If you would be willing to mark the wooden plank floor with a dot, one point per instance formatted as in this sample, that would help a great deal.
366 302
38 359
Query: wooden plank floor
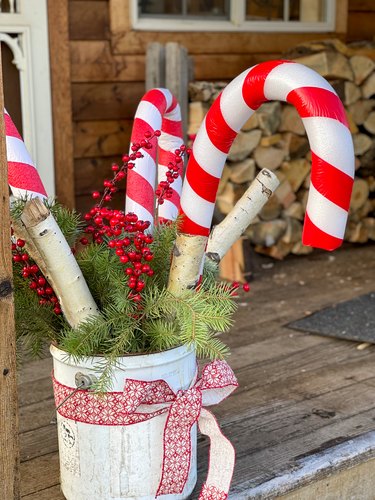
298 393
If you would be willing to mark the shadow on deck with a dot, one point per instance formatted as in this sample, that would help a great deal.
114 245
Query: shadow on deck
305 408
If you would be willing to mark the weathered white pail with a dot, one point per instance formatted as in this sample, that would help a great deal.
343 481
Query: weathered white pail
114 462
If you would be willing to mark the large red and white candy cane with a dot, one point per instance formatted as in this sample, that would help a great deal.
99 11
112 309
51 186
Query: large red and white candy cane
158 110
323 116
23 177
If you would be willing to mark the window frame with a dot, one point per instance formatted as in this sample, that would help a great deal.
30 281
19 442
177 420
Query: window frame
236 22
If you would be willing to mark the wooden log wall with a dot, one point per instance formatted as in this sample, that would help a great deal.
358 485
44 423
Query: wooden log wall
361 20
107 65
106 89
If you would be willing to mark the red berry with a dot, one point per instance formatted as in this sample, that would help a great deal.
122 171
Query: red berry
96 195
57 310
246 287
20 243
84 241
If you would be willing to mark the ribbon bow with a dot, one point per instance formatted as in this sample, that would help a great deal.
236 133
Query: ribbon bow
185 409
143 400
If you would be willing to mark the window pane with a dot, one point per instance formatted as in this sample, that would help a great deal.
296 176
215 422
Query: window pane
264 10
299 10
212 8
312 11
160 7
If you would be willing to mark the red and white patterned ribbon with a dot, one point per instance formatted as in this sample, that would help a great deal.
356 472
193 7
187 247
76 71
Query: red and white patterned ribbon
23 177
323 116
143 400
158 110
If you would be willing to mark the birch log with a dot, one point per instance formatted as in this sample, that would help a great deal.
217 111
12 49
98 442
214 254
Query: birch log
186 264
248 206
64 274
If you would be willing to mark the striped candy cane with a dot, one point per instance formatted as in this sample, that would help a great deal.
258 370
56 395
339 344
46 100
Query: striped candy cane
158 110
23 177
323 116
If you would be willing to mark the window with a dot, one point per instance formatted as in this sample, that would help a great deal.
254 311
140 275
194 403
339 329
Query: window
234 15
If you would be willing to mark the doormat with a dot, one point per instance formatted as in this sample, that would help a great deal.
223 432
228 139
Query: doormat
350 320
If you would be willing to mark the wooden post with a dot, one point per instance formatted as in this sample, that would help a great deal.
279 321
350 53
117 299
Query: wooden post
9 454
177 69
155 66
58 23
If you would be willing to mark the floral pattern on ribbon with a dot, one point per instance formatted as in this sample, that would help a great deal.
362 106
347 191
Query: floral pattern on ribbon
212 493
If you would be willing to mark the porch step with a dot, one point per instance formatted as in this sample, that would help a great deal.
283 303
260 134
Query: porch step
345 471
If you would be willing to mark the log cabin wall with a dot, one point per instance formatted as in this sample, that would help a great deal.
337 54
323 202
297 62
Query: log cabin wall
361 20
107 67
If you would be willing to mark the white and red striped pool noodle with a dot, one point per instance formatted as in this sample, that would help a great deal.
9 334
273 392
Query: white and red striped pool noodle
23 177
324 118
158 110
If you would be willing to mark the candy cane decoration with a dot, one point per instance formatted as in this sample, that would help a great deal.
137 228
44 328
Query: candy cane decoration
158 110
23 177
332 170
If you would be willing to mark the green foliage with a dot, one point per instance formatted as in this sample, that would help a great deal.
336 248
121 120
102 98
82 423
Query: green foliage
162 246
158 322
35 324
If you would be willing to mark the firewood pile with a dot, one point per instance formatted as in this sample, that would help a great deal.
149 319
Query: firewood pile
275 138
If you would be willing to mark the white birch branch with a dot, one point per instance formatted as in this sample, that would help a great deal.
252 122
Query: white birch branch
62 270
186 264
248 206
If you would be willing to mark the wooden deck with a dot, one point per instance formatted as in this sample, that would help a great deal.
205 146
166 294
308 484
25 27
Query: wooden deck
305 409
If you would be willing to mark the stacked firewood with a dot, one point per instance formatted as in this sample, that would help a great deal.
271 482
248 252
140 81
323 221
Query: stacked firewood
275 138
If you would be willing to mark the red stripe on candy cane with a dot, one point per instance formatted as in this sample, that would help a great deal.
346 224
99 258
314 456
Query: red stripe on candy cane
206 188
324 118
10 128
253 87
313 101
331 182
158 110
23 177
219 132
22 180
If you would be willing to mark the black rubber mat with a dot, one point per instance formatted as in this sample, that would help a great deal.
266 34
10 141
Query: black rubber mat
350 320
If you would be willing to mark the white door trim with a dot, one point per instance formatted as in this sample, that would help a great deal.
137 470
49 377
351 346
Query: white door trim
31 51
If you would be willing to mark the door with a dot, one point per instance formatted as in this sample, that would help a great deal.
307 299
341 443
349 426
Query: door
27 88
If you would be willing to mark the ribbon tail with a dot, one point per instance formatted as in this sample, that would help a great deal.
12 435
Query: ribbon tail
221 461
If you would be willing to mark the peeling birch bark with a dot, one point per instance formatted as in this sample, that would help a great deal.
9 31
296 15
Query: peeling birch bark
248 206
186 264
63 272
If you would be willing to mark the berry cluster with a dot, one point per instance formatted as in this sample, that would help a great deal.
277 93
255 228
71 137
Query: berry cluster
126 234
245 286
32 273
120 172
174 170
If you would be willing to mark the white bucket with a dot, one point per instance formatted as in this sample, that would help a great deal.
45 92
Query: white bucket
121 462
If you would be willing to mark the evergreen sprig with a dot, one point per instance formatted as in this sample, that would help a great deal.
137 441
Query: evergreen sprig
156 322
